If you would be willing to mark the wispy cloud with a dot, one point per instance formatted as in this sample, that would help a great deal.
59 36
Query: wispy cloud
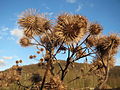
2 62
4 28
78 8
47 8
7 57
10 38
1 37
91 5
71 1
8 34
17 32
49 13
4 31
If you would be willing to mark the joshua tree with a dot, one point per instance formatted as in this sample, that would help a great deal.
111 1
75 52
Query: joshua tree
73 34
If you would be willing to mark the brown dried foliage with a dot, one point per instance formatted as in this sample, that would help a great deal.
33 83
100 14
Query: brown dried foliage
108 44
55 84
71 28
92 41
9 77
36 78
95 29
79 51
33 23
50 38
24 41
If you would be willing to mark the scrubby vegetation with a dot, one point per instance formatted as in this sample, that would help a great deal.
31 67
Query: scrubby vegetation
71 81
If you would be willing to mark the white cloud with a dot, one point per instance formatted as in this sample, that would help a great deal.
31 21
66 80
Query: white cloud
78 8
1 37
4 28
47 8
3 31
8 34
2 62
15 56
49 13
17 32
7 57
71 1
10 38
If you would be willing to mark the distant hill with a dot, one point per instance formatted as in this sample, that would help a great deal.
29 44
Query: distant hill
90 81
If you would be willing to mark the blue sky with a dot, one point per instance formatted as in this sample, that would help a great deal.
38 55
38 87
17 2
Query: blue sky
105 12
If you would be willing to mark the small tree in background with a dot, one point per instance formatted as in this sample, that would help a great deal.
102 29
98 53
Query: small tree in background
76 36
